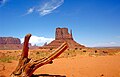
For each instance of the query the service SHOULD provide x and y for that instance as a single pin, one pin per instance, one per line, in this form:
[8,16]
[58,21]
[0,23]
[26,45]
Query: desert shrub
[84,50]
[104,51]
[95,51]
[37,53]
[76,48]
[51,48]
[80,48]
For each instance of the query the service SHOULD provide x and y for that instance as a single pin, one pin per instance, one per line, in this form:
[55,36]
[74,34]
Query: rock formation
[62,35]
[9,40]
[10,43]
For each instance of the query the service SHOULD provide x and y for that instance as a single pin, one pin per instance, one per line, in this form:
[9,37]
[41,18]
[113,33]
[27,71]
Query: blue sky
[93,22]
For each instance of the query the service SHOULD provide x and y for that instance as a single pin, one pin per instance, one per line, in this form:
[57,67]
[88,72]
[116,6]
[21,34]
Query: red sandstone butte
[62,35]
[10,43]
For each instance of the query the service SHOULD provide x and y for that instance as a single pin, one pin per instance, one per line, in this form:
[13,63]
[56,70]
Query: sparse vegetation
[38,54]
[72,53]
[7,59]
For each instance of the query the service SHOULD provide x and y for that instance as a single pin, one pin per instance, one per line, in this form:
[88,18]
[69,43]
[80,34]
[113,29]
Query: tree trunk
[27,66]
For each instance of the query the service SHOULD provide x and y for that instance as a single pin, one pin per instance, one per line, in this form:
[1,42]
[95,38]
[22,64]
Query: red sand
[79,66]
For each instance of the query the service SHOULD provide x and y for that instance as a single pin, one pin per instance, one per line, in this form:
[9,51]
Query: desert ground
[71,63]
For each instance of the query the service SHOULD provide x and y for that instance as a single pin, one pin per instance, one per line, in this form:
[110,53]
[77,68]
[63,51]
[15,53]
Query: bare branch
[25,46]
[46,60]
[26,67]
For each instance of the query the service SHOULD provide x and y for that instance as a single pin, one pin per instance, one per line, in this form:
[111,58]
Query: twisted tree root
[27,66]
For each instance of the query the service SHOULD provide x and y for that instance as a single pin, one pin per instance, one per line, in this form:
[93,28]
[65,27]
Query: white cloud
[29,11]
[38,40]
[46,8]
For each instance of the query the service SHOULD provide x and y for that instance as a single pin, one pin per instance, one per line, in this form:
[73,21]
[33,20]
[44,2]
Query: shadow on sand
[47,75]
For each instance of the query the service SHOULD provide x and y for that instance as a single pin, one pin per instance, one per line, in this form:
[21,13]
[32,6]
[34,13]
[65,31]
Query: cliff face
[9,40]
[10,43]
[62,35]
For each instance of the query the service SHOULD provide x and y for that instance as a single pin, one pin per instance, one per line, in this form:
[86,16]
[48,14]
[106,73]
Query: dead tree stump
[27,66]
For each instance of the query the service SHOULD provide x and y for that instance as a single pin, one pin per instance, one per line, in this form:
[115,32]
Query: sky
[93,22]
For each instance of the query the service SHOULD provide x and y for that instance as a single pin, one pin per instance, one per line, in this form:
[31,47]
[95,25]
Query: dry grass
[8,59]
[8,55]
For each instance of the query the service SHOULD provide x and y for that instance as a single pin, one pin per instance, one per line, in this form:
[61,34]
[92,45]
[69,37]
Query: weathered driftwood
[27,66]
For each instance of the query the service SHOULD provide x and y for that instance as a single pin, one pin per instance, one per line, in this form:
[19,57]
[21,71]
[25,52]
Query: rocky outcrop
[62,35]
[10,43]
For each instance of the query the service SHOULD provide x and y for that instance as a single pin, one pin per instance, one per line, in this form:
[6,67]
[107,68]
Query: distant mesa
[62,35]
[9,40]
[10,43]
